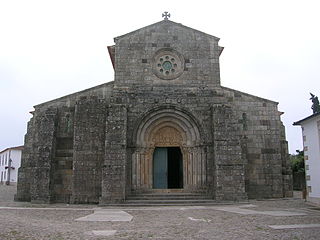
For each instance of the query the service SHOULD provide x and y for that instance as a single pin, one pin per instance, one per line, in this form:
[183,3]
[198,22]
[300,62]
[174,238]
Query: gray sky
[49,49]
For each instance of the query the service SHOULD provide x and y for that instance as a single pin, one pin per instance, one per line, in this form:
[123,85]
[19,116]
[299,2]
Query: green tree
[297,162]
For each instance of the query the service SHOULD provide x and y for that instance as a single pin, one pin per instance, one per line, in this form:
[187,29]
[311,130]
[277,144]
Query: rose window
[168,64]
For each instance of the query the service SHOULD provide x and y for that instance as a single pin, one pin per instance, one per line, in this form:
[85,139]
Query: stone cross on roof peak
[166,15]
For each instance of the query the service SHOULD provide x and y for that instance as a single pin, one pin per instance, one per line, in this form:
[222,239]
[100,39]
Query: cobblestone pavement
[25,221]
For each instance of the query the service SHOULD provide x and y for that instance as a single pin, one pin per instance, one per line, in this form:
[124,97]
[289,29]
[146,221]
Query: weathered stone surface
[97,145]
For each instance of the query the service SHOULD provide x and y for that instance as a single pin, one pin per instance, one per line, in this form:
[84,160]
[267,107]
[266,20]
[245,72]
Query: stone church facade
[164,124]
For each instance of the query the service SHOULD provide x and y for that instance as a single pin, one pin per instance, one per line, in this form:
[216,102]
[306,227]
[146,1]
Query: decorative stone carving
[167,136]
[315,104]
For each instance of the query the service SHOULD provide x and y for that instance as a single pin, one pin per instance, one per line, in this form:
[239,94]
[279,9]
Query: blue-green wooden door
[160,168]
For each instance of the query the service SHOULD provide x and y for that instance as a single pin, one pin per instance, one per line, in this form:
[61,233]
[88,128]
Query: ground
[252,220]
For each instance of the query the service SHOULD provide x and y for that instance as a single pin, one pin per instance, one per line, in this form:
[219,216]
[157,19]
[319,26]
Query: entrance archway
[173,133]
[167,168]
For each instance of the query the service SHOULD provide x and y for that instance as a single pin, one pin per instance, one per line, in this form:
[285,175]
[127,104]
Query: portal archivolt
[168,128]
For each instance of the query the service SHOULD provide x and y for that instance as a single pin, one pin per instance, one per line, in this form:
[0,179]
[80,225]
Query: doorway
[167,168]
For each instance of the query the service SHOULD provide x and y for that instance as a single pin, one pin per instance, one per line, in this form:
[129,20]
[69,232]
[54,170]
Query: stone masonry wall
[287,175]
[114,164]
[261,125]
[46,172]
[135,52]
[229,163]
[198,102]
[38,170]
[62,168]
[24,174]
[88,149]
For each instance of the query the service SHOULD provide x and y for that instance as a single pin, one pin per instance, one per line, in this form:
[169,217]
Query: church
[164,125]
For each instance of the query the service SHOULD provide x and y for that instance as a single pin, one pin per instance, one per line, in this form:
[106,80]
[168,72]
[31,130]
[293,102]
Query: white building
[10,160]
[311,145]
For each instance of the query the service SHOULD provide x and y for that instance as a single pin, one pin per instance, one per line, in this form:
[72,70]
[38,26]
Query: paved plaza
[269,219]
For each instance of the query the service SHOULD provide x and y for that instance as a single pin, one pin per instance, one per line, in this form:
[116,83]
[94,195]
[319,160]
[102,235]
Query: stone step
[170,201]
[164,202]
[169,197]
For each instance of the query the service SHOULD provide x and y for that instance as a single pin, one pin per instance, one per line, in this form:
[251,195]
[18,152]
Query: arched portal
[167,168]
[169,129]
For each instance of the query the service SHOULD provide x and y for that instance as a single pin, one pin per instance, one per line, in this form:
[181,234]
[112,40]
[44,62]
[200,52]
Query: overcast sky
[49,49]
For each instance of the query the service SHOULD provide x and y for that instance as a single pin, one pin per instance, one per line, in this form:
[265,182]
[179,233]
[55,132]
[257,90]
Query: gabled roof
[165,21]
[13,148]
[74,94]
[250,95]
[305,119]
